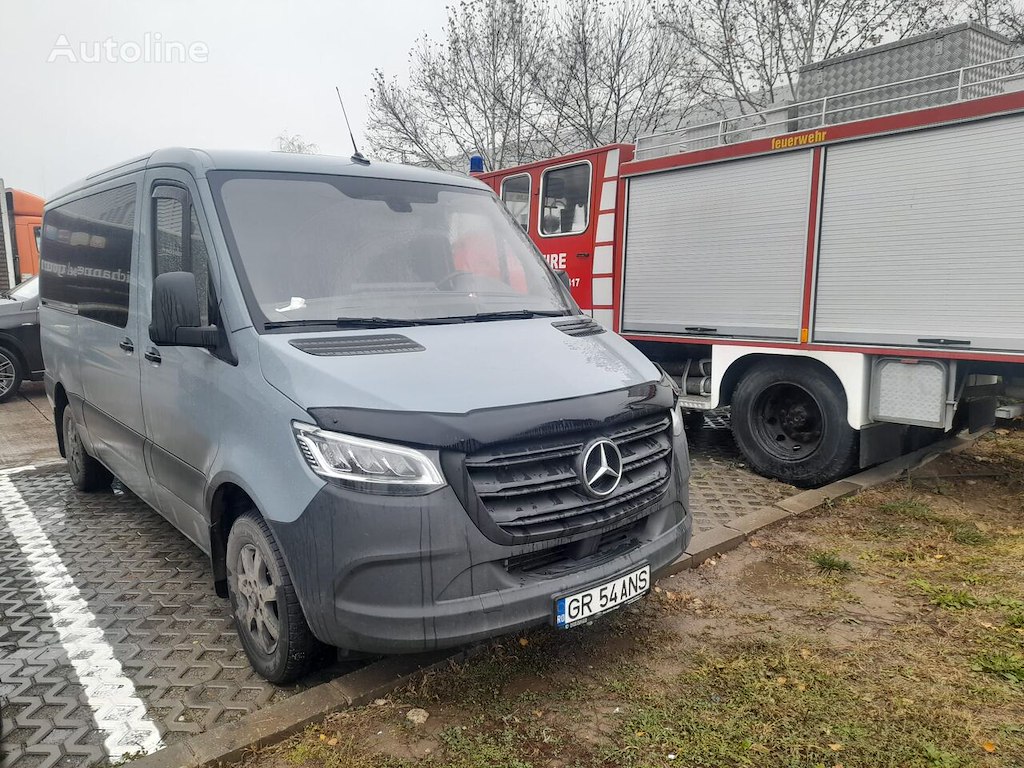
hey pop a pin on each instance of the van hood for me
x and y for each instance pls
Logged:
(457, 369)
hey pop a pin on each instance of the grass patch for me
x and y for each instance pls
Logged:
(767, 705)
(951, 599)
(1007, 666)
(501, 748)
(912, 508)
(829, 562)
(969, 535)
(331, 751)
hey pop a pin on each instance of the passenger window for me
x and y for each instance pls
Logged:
(566, 200)
(178, 244)
(86, 257)
(515, 193)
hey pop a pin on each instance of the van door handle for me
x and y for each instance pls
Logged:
(127, 345)
(153, 356)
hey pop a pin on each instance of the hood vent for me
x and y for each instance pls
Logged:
(579, 326)
(377, 344)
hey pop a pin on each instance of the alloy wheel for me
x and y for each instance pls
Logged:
(7, 374)
(257, 599)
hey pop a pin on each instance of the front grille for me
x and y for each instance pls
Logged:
(566, 558)
(532, 491)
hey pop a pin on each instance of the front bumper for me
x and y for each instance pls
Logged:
(385, 574)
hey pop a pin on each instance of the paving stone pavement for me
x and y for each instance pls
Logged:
(722, 488)
(150, 593)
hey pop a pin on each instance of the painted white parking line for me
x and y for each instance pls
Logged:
(109, 693)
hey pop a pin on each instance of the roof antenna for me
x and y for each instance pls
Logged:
(357, 156)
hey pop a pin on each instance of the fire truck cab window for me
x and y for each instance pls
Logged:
(515, 194)
(565, 206)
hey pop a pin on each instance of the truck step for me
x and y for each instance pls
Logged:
(696, 402)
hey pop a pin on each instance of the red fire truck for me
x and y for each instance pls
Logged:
(847, 273)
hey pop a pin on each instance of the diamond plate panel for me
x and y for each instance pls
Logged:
(944, 50)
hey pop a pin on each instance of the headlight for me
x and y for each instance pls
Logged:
(367, 465)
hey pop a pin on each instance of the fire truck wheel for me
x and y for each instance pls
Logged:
(789, 419)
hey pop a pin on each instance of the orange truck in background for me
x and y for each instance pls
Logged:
(21, 224)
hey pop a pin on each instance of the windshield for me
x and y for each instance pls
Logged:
(320, 248)
(26, 291)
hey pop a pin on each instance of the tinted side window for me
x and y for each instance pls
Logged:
(86, 257)
(566, 204)
(515, 193)
(179, 245)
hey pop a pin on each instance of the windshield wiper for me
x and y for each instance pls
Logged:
(510, 314)
(361, 322)
(272, 324)
(392, 322)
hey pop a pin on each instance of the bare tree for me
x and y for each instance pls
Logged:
(1004, 16)
(287, 142)
(613, 73)
(471, 93)
(753, 49)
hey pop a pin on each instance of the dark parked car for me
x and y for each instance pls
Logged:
(20, 357)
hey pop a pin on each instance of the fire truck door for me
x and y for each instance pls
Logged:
(566, 221)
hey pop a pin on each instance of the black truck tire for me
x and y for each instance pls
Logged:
(789, 420)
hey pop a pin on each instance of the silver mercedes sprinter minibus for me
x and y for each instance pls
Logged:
(360, 390)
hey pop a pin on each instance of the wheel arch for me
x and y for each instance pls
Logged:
(228, 501)
(60, 402)
(849, 370)
(12, 345)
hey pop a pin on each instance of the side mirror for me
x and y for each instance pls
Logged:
(563, 278)
(176, 318)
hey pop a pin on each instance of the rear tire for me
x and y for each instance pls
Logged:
(86, 473)
(270, 621)
(11, 374)
(789, 420)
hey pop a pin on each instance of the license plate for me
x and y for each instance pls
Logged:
(580, 607)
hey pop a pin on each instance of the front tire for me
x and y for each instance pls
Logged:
(12, 374)
(270, 621)
(86, 473)
(789, 420)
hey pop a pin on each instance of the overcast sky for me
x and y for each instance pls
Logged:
(256, 68)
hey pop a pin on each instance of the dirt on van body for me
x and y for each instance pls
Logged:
(886, 630)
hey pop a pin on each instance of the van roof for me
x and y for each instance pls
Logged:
(199, 161)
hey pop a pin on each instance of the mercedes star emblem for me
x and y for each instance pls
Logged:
(600, 468)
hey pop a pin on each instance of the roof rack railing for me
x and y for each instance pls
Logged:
(822, 111)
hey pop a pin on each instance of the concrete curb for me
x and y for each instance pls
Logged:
(227, 744)
(722, 538)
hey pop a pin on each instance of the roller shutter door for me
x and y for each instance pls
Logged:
(720, 246)
(922, 238)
